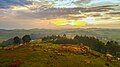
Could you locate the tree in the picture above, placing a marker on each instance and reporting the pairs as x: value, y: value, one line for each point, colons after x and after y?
x: 26, y: 39
x: 113, y: 47
x: 8, y: 42
x: 94, y: 43
x: 64, y: 36
x: 76, y: 39
x: 17, y: 40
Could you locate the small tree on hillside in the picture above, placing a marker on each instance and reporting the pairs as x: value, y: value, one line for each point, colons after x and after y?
x: 26, y: 39
x: 17, y: 40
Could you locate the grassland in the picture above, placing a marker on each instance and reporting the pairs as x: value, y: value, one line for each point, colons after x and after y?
x: 3, y: 38
x: 38, y: 54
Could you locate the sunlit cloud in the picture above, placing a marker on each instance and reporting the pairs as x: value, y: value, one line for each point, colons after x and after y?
x: 19, y: 8
x: 103, y: 2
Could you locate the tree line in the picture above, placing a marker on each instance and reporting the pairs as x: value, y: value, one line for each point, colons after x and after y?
x: 111, y: 47
x: 17, y: 40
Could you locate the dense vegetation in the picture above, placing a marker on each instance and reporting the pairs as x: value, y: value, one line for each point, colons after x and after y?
x: 94, y: 43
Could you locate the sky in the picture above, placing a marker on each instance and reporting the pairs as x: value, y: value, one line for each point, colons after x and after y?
x: 57, y: 14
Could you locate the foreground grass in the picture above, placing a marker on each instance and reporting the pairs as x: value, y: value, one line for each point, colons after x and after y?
x: 47, y: 55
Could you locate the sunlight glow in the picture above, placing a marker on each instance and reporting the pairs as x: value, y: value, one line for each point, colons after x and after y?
x: 19, y: 8
x: 61, y: 22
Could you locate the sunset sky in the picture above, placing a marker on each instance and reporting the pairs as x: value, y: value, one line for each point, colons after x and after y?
x: 57, y: 14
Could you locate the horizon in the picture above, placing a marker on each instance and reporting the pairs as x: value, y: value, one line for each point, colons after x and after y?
x: 52, y: 14
x: 56, y: 29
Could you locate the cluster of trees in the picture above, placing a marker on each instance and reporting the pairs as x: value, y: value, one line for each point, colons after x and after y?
x: 17, y: 40
x: 25, y: 39
x: 94, y: 43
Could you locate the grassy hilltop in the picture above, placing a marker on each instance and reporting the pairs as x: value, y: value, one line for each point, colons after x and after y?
x: 37, y: 54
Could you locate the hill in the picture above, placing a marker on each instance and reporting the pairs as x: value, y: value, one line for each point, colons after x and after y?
x: 38, y: 54
x: 103, y: 34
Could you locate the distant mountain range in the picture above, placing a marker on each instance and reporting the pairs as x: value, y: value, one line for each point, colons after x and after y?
x: 112, y: 34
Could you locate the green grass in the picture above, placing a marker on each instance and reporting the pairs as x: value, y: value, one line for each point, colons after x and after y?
x: 45, y: 56
x: 115, y: 35
x: 3, y: 38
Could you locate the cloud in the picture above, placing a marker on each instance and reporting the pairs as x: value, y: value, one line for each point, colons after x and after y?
x: 57, y: 3
x: 103, y: 18
x: 9, y: 3
x: 114, y: 13
x: 103, y: 2
x: 46, y: 13
x: 52, y: 13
